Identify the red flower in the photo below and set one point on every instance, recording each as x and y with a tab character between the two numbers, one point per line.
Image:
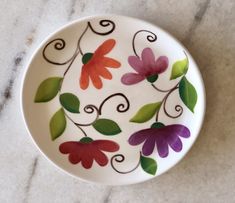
87	150
95	65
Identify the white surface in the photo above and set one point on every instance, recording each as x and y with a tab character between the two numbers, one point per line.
205	27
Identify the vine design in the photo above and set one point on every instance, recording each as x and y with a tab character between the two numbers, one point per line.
159	133
147	69
71	103
121	158
151	37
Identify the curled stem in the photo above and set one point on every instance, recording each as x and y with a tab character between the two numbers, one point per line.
151	37
121	158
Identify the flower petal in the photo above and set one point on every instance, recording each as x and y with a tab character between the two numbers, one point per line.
161	64
175	142
100	158
111	63
140	136
87	158
162	146
106	145
149	145
69	147
105	48
74	158
97	82
84	78
131	78
148	60
103	72
137	64
179	130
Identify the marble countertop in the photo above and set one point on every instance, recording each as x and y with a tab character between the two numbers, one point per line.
206	174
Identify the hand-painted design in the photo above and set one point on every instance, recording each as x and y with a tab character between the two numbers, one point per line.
100	124
146	67
146	112
70	102
158	134
107	127
179	68
151	37
119	158
95	65
48	89
149	165
87	150
161	136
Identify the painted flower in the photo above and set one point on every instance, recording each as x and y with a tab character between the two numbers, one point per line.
161	136
96	64
146	67
87	150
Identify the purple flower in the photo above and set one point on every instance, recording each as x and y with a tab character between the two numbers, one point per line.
161	136
146	67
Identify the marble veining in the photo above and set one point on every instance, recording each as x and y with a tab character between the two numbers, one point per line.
205	27
197	20
30	179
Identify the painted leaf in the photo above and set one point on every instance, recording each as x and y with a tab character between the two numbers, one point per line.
70	102
57	124
149	165
48	89
146	112
107	127
179	68
188	93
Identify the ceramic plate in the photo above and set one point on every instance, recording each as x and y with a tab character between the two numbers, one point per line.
113	100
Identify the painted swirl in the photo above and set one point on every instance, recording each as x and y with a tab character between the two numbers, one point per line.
121	108
151	37
119	158
59	44
104	23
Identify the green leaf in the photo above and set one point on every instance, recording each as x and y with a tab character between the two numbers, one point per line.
179	68
149	165
57	124
188	93
48	89
146	112
70	102
106	127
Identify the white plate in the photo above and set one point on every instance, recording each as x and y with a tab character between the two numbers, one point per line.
113	100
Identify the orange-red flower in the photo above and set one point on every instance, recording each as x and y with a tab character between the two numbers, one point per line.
96	64
87	150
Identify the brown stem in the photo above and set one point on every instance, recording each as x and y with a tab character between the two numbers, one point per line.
178	108
122	158
76	124
160	90
151	37
121	107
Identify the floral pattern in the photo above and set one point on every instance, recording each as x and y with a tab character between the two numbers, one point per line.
96	66
87	150
146	67
160	136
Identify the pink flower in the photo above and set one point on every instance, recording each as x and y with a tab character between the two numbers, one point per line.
146	67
